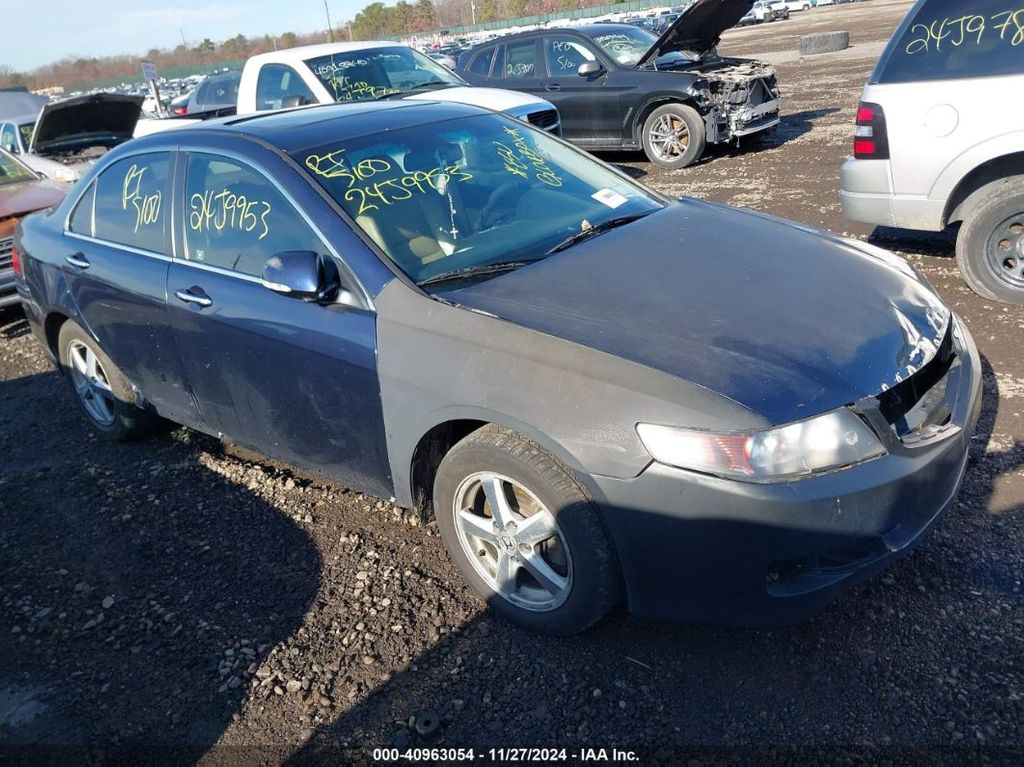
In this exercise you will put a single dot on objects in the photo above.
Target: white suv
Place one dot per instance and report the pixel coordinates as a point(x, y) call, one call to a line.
point(940, 137)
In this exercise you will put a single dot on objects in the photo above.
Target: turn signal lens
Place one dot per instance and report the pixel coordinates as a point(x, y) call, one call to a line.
point(16, 262)
point(830, 441)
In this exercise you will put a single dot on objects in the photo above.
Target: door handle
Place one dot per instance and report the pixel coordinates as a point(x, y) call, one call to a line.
point(77, 259)
point(552, 87)
point(189, 297)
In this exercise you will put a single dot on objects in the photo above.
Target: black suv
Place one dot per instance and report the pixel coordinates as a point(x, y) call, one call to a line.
point(617, 86)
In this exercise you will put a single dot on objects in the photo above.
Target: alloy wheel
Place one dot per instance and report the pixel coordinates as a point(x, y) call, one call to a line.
point(669, 137)
point(513, 541)
point(91, 383)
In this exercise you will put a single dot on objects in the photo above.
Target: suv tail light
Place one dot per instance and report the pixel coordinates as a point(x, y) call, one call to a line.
point(871, 139)
point(16, 262)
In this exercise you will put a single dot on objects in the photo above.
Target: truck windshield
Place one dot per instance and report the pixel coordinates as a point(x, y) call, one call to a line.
point(460, 195)
point(378, 72)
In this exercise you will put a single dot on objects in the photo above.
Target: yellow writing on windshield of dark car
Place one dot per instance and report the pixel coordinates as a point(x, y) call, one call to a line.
point(227, 210)
point(146, 207)
point(968, 29)
point(388, 190)
point(521, 156)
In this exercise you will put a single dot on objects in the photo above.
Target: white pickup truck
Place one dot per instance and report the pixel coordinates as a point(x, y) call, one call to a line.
point(340, 72)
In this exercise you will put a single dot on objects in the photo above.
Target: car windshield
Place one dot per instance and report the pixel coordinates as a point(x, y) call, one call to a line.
point(12, 171)
point(462, 195)
point(628, 44)
point(378, 72)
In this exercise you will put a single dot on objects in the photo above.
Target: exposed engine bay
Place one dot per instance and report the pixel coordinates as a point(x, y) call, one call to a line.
point(741, 97)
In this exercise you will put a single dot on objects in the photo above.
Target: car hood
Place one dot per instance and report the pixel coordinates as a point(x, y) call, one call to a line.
point(498, 99)
point(782, 319)
point(699, 28)
point(24, 197)
point(99, 119)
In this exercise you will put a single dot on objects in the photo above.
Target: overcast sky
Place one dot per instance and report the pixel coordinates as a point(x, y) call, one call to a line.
point(42, 31)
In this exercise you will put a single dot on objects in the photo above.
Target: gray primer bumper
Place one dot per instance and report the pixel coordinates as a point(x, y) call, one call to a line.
point(696, 547)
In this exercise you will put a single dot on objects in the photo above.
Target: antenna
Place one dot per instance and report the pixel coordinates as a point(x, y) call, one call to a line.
point(330, 31)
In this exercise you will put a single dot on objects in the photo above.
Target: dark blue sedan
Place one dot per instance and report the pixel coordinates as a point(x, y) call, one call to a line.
point(598, 392)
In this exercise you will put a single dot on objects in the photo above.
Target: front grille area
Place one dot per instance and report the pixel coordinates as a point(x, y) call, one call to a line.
point(6, 246)
point(546, 119)
point(929, 382)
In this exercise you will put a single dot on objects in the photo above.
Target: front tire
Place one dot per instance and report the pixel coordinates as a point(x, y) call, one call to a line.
point(990, 245)
point(524, 534)
point(674, 136)
point(100, 388)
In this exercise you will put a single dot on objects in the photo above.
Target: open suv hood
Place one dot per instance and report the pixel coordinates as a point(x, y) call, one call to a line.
point(99, 119)
point(699, 28)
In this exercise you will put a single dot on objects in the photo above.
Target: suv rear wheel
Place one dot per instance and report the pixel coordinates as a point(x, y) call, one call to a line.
point(674, 136)
point(990, 246)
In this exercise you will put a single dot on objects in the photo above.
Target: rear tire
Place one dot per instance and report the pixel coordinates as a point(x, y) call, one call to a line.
point(990, 245)
point(549, 566)
point(674, 136)
point(100, 388)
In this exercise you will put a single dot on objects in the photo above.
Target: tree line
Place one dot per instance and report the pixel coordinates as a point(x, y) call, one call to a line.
point(403, 19)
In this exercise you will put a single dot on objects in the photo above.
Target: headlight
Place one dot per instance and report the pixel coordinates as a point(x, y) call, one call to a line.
point(70, 175)
point(829, 441)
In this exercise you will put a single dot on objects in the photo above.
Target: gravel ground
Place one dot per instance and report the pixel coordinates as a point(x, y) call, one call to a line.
point(180, 594)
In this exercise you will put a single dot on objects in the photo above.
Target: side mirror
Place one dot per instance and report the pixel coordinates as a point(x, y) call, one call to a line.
point(589, 69)
point(9, 146)
point(302, 274)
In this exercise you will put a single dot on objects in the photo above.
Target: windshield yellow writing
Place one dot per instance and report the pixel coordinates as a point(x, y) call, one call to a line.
point(217, 211)
point(969, 29)
point(520, 157)
point(375, 179)
point(146, 207)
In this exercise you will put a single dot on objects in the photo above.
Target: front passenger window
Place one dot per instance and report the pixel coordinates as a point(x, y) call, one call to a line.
point(236, 218)
point(564, 56)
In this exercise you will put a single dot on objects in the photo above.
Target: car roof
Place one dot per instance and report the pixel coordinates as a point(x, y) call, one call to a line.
point(292, 130)
point(304, 52)
point(588, 30)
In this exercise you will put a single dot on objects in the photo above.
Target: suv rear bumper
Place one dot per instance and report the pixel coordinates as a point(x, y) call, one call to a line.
point(865, 192)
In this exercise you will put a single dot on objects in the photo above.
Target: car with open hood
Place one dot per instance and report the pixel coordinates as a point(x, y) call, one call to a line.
point(64, 137)
point(597, 391)
point(617, 86)
point(21, 192)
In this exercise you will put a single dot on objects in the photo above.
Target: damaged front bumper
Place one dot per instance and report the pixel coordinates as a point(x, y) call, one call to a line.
point(741, 98)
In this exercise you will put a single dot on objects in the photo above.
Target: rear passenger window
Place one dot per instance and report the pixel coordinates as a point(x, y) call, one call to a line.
point(954, 39)
point(481, 63)
point(279, 83)
point(81, 219)
point(520, 59)
point(237, 219)
point(131, 202)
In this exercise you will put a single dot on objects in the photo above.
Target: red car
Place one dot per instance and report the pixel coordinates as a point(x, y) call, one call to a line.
point(21, 192)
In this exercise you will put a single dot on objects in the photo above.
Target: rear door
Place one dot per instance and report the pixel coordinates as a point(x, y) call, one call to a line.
point(292, 379)
point(517, 66)
point(115, 261)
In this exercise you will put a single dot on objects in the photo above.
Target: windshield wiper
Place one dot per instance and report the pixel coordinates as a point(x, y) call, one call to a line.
point(476, 270)
point(402, 92)
point(604, 226)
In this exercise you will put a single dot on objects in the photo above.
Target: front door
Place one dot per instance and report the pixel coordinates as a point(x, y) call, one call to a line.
point(292, 379)
point(588, 106)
